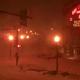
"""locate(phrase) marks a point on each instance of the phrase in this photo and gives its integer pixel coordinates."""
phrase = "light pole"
(11, 39)
(17, 46)
(57, 40)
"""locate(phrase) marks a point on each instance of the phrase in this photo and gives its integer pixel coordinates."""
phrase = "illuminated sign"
(76, 10)
(75, 16)
(76, 23)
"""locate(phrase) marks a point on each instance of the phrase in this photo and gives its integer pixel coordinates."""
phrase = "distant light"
(11, 37)
(26, 32)
(70, 19)
(18, 45)
(51, 29)
(79, 16)
(56, 38)
(22, 37)
(27, 36)
(35, 33)
(30, 31)
(19, 30)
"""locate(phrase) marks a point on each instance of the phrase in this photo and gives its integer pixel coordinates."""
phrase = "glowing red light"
(79, 17)
(56, 38)
(74, 11)
(22, 37)
(70, 19)
(11, 37)
(78, 12)
(18, 45)
(19, 30)
(27, 36)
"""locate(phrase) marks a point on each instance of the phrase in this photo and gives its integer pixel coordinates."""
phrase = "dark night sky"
(45, 13)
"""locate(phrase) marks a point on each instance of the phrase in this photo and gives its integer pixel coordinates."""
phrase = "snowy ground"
(34, 67)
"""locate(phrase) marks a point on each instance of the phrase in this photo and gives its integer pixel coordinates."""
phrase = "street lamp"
(22, 37)
(57, 40)
(10, 38)
(27, 37)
